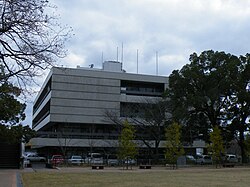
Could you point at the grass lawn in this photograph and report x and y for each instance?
(191, 177)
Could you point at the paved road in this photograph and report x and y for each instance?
(9, 178)
(12, 177)
(38, 165)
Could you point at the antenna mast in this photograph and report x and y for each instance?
(156, 62)
(137, 60)
(117, 55)
(102, 56)
(122, 54)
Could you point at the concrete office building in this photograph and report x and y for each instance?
(71, 105)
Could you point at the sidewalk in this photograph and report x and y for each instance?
(10, 178)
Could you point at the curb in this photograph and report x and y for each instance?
(18, 180)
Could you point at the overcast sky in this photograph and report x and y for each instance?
(174, 28)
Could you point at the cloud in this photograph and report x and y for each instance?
(73, 59)
(173, 28)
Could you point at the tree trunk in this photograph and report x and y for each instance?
(157, 151)
(242, 146)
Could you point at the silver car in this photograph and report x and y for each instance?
(112, 160)
(203, 159)
(229, 158)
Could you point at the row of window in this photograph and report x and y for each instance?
(141, 88)
(43, 95)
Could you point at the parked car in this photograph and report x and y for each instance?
(203, 159)
(112, 160)
(129, 161)
(94, 158)
(33, 157)
(56, 160)
(75, 159)
(190, 159)
(229, 158)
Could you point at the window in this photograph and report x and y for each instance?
(142, 88)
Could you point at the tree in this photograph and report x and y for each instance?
(127, 146)
(30, 39)
(149, 117)
(150, 123)
(202, 91)
(64, 141)
(247, 145)
(11, 110)
(239, 109)
(11, 113)
(174, 148)
(216, 147)
(16, 134)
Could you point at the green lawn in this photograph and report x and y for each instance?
(204, 177)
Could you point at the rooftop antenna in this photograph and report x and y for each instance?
(122, 54)
(102, 56)
(137, 60)
(156, 55)
(117, 55)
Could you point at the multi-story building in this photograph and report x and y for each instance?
(70, 109)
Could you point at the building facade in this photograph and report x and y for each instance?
(72, 105)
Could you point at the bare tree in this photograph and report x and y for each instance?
(30, 39)
(91, 140)
(64, 140)
(149, 118)
(151, 123)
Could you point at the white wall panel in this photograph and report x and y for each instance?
(85, 88)
(85, 103)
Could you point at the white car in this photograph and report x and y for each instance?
(33, 157)
(76, 160)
